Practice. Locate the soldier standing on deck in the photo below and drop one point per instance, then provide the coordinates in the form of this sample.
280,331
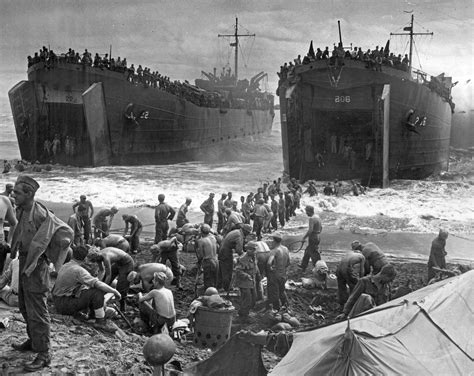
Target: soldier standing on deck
163,214
39,238
208,208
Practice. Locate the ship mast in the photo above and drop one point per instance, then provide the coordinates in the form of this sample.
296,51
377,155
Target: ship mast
411,34
340,35
235,44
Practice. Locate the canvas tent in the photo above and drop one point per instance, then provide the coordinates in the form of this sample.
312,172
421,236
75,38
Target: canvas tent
427,332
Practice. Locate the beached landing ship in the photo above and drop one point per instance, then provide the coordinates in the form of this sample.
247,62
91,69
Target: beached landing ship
84,115
363,118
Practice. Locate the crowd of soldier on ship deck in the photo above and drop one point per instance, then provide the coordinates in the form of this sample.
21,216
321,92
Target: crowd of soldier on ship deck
373,59
254,99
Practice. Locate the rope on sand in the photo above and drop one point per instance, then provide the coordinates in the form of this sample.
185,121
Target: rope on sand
123,228
462,237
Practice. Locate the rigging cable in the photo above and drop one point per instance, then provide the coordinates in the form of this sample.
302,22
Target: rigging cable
417,55
246,61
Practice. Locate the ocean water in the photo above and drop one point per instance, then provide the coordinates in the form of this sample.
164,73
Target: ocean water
8,145
426,204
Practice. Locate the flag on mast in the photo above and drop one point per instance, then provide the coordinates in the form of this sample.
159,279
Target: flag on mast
311,50
386,50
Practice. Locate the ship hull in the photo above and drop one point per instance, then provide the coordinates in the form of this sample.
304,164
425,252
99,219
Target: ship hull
349,122
100,118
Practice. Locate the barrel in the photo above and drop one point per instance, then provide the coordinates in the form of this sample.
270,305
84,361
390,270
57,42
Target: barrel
212,327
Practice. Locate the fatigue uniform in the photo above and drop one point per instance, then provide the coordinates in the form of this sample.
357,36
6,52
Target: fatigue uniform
207,256
163,213
290,201
9,284
181,219
220,215
101,223
83,212
120,270
365,296
347,276
74,221
437,256
234,240
246,271
74,290
282,211
261,213
312,250
374,258
208,208
168,250
277,277
275,210
135,231
262,255
33,289
246,211
233,222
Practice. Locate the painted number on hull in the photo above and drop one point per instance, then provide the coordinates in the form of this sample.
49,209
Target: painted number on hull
420,121
342,99
69,98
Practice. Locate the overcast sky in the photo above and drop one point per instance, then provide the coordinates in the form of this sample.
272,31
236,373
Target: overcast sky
179,37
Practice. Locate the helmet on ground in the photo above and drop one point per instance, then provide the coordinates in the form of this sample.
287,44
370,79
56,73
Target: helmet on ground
211,291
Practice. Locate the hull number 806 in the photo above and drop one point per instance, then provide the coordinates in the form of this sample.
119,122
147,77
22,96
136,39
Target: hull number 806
342,99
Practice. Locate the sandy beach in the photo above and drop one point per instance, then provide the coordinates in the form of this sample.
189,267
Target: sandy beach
80,349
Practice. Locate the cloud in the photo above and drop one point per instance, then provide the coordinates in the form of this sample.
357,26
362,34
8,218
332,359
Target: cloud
179,38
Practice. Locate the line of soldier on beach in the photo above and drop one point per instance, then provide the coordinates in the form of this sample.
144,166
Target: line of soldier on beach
229,255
